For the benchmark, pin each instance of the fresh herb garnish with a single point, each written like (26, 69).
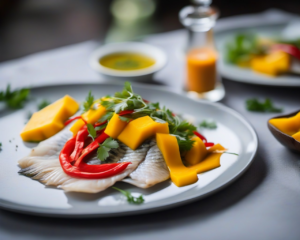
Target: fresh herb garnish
(44, 103)
(255, 105)
(125, 100)
(14, 99)
(128, 100)
(92, 131)
(0, 146)
(209, 125)
(130, 198)
(89, 102)
(241, 48)
(102, 152)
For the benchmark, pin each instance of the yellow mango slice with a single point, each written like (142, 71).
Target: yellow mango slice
(161, 127)
(211, 161)
(137, 131)
(197, 153)
(180, 174)
(289, 126)
(115, 126)
(140, 129)
(91, 116)
(272, 64)
(296, 136)
(50, 120)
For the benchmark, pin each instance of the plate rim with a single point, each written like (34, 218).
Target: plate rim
(66, 213)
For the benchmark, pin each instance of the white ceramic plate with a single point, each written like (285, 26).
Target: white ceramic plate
(245, 75)
(22, 194)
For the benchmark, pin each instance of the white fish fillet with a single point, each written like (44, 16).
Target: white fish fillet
(43, 164)
(151, 171)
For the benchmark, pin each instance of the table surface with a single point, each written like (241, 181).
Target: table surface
(262, 204)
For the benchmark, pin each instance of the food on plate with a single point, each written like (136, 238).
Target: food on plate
(126, 61)
(263, 55)
(50, 120)
(132, 140)
(289, 126)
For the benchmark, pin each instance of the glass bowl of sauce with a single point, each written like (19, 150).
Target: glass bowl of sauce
(132, 61)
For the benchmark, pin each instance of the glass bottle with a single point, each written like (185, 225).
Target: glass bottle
(201, 55)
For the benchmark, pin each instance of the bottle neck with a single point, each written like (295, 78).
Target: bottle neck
(200, 39)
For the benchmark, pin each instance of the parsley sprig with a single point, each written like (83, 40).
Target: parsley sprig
(128, 100)
(207, 124)
(125, 100)
(89, 102)
(255, 105)
(14, 99)
(130, 198)
(105, 147)
(92, 131)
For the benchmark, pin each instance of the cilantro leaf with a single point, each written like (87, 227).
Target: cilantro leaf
(105, 147)
(107, 116)
(255, 105)
(185, 145)
(44, 103)
(110, 143)
(102, 153)
(92, 131)
(14, 99)
(209, 125)
(98, 128)
(130, 198)
(124, 119)
(89, 101)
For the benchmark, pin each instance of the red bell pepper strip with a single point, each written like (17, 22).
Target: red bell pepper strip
(81, 136)
(74, 118)
(92, 147)
(80, 139)
(96, 168)
(209, 144)
(200, 136)
(126, 112)
(146, 101)
(290, 49)
(105, 172)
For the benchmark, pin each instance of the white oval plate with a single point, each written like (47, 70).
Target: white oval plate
(22, 194)
(245, 75)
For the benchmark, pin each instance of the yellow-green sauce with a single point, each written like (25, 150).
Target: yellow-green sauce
(126, 61)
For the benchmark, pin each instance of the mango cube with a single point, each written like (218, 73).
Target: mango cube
(271, 64)
(137, 131)
(91, 116)
(180, 174)
(197, 153)
(289, 126)
(50, 120)
(115, 126)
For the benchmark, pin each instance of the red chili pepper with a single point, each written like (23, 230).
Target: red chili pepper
(200, 136)
(96, 168)
(81, 136)
(90, 148)
(209, 144)
(126, 112)
(105, 171)
(290, 49)
(146, 101)
(74, 118)
(80, 139)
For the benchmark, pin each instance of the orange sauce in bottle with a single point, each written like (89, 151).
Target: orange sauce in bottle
(201, 69)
